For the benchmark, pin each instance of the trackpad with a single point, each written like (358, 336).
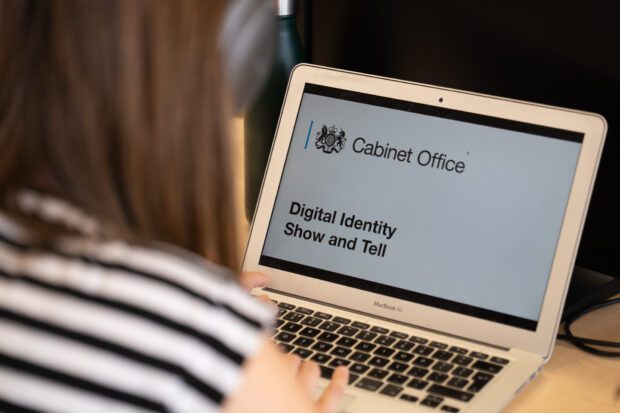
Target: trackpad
(344, 402)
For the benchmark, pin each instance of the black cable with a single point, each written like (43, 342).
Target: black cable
(586, 344)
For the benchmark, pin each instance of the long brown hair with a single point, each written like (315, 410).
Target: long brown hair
(118, 107)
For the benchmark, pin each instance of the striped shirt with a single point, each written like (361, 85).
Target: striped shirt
(91, 326)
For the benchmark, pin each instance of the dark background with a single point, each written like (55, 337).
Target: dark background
(558, 53)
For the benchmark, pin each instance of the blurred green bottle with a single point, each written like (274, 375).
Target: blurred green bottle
(261, 118)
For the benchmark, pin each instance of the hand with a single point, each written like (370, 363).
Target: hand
(307, 374)
(253, 279)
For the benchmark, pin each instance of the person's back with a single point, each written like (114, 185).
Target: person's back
(114, 178)
(90, 325)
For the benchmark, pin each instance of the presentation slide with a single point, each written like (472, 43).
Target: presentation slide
(450, 209)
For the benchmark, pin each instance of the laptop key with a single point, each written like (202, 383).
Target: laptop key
(281, 312)
(377, 373)
(360, 325)
(384, 351)
(458, 350)
(423, 362)
(359, 368)
(436, 344)
(417, 372)
(378, 361)
(380, 330)
(286, 306)
(442, 355)
(348, 331)
(327, 336)
(304, 310)
(321, 358)
(302, 352)
(385, 340)
(346, 341)
(366, 335)
(431, 401)
(479, 381)
(451, 393)
(324, 316)
(336, 362)
(365, 346)
(326, 372)
(304, 342)
(479, 355)
(499, 360)
(487, 367)
(285, 348)
(404, 345)
(409, 398)
(456, 382)
(462, 372)
(462, 360)
(437, 377)
(279, 323)
(341, 351)
(399, 367)
(341, 320)
(391, 390)
(368, 384)
(329, 326)
(352, 378)
(423, 350)
(418, 340)
(449, 409)
(359, 356)
(294, 317)
(402, 356)
(311, 321)
(442, 367)
(291, 327)
(309, 332)
(322, 347)
(417, 384)
(285, 337)
(397, 378)
(399, 335)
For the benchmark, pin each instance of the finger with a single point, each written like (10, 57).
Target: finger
(293, 362)
(308, 376)
(329, 401)
(253, 279)
(266, 299)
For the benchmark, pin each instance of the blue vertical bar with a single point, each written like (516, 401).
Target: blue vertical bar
(308, 137)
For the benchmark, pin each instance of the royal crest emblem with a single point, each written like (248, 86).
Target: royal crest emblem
(330, 139)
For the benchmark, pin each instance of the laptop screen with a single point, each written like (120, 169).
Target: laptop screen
(445, 208)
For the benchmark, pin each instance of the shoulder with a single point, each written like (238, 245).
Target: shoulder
(173, 311)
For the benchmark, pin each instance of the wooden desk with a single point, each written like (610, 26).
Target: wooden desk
(572, 381)
(575, 381)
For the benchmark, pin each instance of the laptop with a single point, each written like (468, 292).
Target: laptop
(423, 236)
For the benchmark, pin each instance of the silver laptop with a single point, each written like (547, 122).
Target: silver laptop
(422, 236)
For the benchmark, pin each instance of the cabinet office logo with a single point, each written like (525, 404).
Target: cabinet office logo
(330, 139)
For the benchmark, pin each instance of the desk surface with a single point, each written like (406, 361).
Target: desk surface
(572, 381)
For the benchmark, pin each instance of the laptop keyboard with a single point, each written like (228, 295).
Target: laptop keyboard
(383, 361)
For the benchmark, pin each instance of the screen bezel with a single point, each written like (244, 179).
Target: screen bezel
(539, 341)
(394, 291)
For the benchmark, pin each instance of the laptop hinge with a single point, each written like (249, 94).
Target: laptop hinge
(351, 310)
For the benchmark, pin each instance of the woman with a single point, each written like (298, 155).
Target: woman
(114, 169)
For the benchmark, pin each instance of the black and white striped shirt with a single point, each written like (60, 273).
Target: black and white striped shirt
(92, 326)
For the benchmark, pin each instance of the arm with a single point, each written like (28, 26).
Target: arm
(269, 385)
